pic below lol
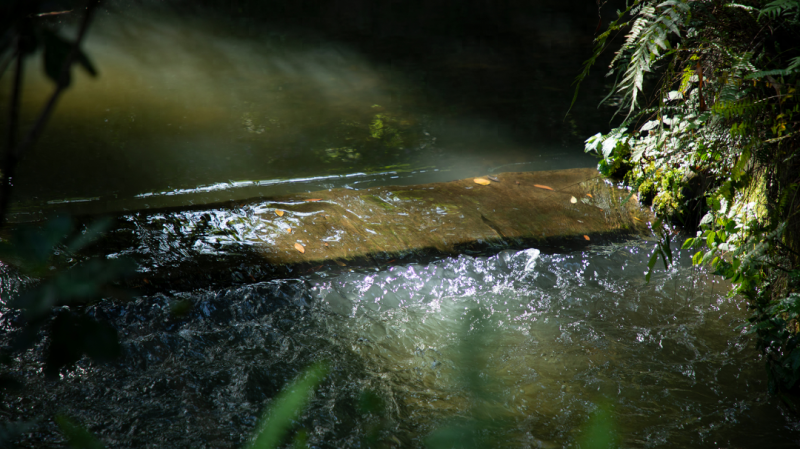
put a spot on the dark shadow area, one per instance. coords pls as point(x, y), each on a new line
point(502, 60)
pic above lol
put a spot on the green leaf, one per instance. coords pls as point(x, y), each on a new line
point(650, 264)
point(601, 429)
point(738, 169)
point(287, 407)
point(56, 53)
point(657, 223)
point(710, 239)
point(92, 232)
point(688, 243)
point(78, 437)
point(697, 258)
point(666, 256)
point(713, 203)
point(86, 63)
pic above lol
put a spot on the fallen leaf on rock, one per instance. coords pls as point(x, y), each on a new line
point(543, 187)
point(289, 230)
point(315, 199)
point(482, 181)
point(573, 200)
point(589, 195)
point(325, 244)
point(299, 247)
point(586, 237)
point(279, 212)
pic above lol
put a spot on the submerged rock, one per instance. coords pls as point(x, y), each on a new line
point(565, 207)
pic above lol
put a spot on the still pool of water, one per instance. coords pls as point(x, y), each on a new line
point(519, 347)
point(197, 107)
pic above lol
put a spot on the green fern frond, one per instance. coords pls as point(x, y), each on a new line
point(763, 73)
point(776, 8)
point(599, 47)
point(741, 108)
point(794, 67)
point(648, 38)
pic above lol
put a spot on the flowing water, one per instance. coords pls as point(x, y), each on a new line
point(525, 347)
point(550, 339)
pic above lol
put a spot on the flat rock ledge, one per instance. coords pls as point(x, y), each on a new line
point(571, 208)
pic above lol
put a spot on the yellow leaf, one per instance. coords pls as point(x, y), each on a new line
point(589, 195)
point(340, 263)
point(289, 230)
point(299, 247)
point(543, 187)
point(586, 237)
point(279, 212)
point(637, 219)
point(482, 181)
point(573, 200)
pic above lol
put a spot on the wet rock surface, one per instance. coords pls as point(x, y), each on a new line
point(333, 230)
point(546, 208)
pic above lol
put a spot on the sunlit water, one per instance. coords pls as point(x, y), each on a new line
point(551, 337)
point(199, 108)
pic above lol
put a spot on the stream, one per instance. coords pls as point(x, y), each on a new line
point(552, 337)
point(201, 115)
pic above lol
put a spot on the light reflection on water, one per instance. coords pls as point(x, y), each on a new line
point(557, 334)
point(184, 107)
point(571, 331)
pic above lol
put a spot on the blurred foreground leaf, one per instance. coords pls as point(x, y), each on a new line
point(600, 432)
point(56, 53)
point(279, 417)
point(78, 436)
point(49, 253)
point(483, 425)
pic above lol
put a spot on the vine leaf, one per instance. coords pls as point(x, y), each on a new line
point(56, 52)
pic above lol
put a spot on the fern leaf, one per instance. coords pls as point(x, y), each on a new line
point(776, 8)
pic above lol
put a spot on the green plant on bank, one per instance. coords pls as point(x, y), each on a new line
point(710, 139)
